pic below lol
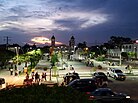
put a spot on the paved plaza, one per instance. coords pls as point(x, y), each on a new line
point(80, 67)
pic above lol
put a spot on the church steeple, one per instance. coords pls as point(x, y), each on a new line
point(53, 41)
point(72, 42)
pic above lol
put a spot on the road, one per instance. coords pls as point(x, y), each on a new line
point(129, 86)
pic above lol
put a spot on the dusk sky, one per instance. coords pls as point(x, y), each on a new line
point(93, 21)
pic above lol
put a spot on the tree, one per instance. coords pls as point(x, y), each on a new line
point(131, 54)
point(54, 59)
point(118, 41)
point(5, 56)
point(26, 47)
point(82, 45)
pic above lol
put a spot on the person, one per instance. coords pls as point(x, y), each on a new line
point(72, 69)
point(11, 71)
point(126, 68)
point(32, 75)
point(130, 69)
point(43, 76)
point(37, 78)
point(16, 72)
point(27, 76)
point(64, 66)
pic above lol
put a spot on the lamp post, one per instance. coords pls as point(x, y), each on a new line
point(135, 48)
point(17, 54)
point(120, 60)
point(50, 71)
point(99, 50)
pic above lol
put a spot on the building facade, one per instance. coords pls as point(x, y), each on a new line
point(128, 48)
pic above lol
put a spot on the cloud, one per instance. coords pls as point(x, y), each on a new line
point(37, 17)
point(84, 18)
point(43, 40)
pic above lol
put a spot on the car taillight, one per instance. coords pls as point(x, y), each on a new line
point(88, 92)
point(91, 97)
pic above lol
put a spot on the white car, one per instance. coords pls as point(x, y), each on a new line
point(116, 74)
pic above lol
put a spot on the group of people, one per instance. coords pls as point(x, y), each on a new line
point(128, 69)
point(36, 77)
point(70, 76)
point(14, 72)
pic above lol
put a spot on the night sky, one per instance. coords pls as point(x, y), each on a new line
point(93, 21)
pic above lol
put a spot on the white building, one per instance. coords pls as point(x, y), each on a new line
point(125, 48)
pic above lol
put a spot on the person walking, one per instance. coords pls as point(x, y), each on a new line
point(27, 76)
point(16, 72)
point(11, 71)
point(72, 70)
point(32, 74)
point(37, 77)
point(43, 76)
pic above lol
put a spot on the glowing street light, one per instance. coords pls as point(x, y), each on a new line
point(17, 54)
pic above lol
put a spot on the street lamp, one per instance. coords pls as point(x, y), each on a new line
point(99, 50)
point(17, 54)
point(135, 48)
point(120, 60)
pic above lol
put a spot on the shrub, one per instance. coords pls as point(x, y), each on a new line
point(99, 67)
point(42, 94)
point(100, 58)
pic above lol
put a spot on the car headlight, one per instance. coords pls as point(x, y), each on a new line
point(127, 97)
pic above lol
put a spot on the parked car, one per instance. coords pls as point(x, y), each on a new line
point(101, 79)
point(116, 74)
point(114, 64)
point(99, 74)
point(84, 85)
point(106, 62)
point(106, 95)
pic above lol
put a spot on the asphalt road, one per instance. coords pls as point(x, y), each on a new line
point(129, 86)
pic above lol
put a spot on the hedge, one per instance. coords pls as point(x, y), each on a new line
point(42, 94)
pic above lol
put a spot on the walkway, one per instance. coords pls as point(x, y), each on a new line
point(80, 68)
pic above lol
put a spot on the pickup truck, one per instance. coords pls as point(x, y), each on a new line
point(116, 74)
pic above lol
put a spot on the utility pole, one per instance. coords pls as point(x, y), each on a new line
point(7, 39)
point(120, 59)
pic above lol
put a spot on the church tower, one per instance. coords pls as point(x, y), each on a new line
point(72, 42)
point(53, 41)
